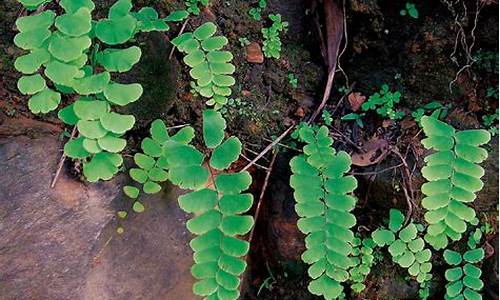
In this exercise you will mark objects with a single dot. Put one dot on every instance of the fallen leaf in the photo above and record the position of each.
(375, 150)
(254, 53)
(355, 100)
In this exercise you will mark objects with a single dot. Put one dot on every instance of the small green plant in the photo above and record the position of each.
(410, 10)
(438, 111)
(491, 122)
(363, 262)
(66, 47)
(211, 68)
(193, 5)
(244, 41)
(255, 12)
(292, 80)
(406, 247)
(323, 202)
(271, 35)
(326, 117)
(383, 103)
(358, 118)
(454, 176)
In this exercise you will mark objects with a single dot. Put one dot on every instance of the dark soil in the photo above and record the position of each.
(410, 55)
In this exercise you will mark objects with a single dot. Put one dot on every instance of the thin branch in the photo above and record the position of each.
(377, 172)
(262, 193)
(269, 147)
(61, 161)
(180, 32)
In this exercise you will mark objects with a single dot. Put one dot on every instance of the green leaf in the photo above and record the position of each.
(453, 274)
(236, 225)
(122, 94)
(214, 43)
(31, 39)
(226, 153)
(29, 85)
(159, 131)
(91, 129)
(199, 201)
(66, 48)
(71, 6)
(44, 101)
(452, 257)
(151, 147)
(31, 62)
(397, 248)
(74, 148)
(233, 183)
(112, 143)
(213, 128)
(62, 73)
(119, 9)
(119, 60)
(138, 175)
(151, 187)
(144, 161)
(75, 24)
(205, 31)
(454, 289)
(474, 255)
(423, 256)
(92, 84)
(408, 233)
(235, 204)
(117, 123)
(396, 220)
(90, 109)
(67, 115)
(131, 191)
(102, 166)
(117, 30)
(138, 207)
(177, 16)
(406, 260)
(472, 271)
(416, 245)
(91, 145)
(475, 137)
(45, 19)
(204, 222)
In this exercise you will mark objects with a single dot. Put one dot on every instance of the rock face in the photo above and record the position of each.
(61, 243)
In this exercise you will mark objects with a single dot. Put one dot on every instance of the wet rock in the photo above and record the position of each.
(254, 53)
(61, 243)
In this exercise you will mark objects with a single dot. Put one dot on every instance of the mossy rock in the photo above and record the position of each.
(157, 76)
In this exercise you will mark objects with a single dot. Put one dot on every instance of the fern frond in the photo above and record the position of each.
(363, 262)
(217, 205)
(405, 246)
(323, 202)
(454, 178)
(211, 67)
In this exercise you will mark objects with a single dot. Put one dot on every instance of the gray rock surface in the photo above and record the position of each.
(61, 243)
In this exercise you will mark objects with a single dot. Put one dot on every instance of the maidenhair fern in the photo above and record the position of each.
(64, 50)
(464, 276)
(454, 178)
(216, 198)
(363, 262)
(323, 202)
(406, 248)
(152, 165)
(211, 67)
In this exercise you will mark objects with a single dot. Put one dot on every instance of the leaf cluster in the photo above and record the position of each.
(193, 5)
(454, 177)
(324, 203)
(60, 50)
(255, 12)
(363, 261)
(272, 42)
(211, 67)
(405, 246)
(383, 103)
(463, 276)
